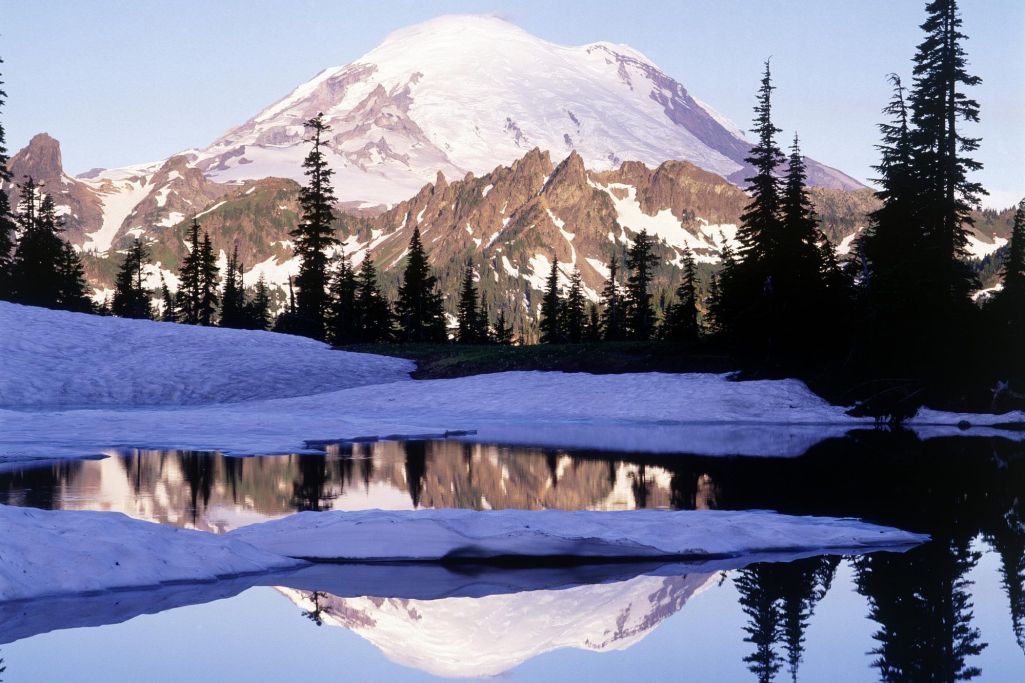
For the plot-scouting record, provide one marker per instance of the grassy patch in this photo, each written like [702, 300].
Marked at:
[436, 361]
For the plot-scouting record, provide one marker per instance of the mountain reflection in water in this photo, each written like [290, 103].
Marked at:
[968, 494]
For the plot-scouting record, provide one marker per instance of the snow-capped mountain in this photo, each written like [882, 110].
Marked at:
[461, 94]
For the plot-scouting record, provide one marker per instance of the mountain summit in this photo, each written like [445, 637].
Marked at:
[464, 94]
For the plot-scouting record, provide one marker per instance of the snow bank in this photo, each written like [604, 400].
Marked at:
[58, 552]
[264, 393]
[56, 359]
[48, 553]
[468, 535]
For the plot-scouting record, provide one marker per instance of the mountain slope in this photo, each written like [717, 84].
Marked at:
[462, 94]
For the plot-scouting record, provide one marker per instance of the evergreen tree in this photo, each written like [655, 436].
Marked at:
[681, 323]
[574, 311]
[258, 309]
[343, 327]
[190, 275]
[799, 265]
[640, 318]
[373, 315]
[131, 298]
[1007, 309]
[208, 276]
[893, 242]
[313, 236]
[71, 295]
[612, 322]
[35, 269]
[483, 329]
[760, 222]
[503, 331]
[592, 332]
[170, 304]
[233, 296]
[1011, 297]
[419, 309]
[941, 161]
[551, 308]
[7, 223]
[468, 330]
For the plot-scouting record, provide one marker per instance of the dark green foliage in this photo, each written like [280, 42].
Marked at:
[574, 310]
[1012, 276]
[551, 308]
[7, 224]
[419, 309]
[169, 314]
[71, 295]
[760, 223]
[313, 236]
[343, 327]
[190, 291]
[503, 331]
[257, 310]
[681, 321]
[131, 298]
[35, 269]
[233, 296]
[468, 330]
[373, 314]
[942, 166]
[208, 277]
[592, 331]
[640, 313]
[483, 327]
[612, 313]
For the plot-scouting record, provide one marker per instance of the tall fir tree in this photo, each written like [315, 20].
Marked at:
[1012, 274]
[799, 262]
[612, 321]
[190, 275]
[468, 328]
[681, 323]
[233, 296]
[893, 244]
[941, 150]
[35, 268]
[1007, 309]
[551, 308]
[314, 235]
[343, 327]
[484, 320]
[72, 291]
[373, 314]
[592, 332]
[131, 298]
[7, 222]
[574, 311]
[420, 311]
[760, 222]
[640, 312]
[208, 282]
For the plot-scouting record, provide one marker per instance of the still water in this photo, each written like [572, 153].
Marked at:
[952, 609]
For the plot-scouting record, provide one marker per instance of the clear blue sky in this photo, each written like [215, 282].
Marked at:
[120, 82]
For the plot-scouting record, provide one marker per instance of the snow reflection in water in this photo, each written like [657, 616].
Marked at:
[945, 611]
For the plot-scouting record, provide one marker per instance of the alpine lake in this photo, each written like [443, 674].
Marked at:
[950, 609]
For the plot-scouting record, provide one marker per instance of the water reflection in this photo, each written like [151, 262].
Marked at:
[966, 493]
